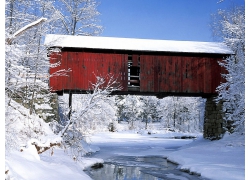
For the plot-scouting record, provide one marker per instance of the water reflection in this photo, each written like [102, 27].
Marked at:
[115, 172]
[139, 168]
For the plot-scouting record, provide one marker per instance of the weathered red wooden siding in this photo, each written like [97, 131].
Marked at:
[54, 82]
[179, 74]
[85, 67]
[158, 73]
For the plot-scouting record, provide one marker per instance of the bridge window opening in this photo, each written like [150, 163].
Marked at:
[133, 74]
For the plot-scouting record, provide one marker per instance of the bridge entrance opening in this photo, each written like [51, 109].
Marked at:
[133, 73]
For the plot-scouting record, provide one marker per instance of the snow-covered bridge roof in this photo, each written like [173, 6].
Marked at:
[114, 43]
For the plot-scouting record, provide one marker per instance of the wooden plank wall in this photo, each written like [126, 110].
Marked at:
[85, 67]
[179, 74]
[158, 73]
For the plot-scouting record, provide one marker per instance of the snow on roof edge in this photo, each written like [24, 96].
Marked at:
[115, 43]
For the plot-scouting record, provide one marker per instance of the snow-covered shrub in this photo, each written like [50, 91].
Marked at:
[92, 112]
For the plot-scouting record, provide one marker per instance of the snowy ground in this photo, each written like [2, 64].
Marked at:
[50, 165]
[222, 159]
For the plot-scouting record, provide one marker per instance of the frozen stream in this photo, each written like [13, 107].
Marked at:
[137, 157]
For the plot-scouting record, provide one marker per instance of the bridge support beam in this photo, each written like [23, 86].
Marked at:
[213, 121]
[70, 104]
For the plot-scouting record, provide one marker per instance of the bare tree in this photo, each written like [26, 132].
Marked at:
[79, 17]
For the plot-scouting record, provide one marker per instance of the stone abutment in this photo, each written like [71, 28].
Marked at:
[213, 120]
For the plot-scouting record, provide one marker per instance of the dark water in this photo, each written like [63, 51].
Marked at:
[139, 168]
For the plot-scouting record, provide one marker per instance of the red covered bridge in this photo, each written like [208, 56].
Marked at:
[141, 66]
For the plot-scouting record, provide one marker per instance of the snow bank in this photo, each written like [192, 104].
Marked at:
[22, 162]
[216, 160]
[25, 166]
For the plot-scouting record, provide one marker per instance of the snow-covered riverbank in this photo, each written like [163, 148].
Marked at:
[216, 160]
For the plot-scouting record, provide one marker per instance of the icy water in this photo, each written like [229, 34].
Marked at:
[139, 168]
[137, 157]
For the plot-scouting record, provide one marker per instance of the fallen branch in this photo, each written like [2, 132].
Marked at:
[41, 149]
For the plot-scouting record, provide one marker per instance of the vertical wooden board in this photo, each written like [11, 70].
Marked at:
[74, 74]
[53, 82]
[110, 70]
[167, 74]
[178, 70]
[156, 69]
[223, 71]
[77, 73]
[115, 65]
[183, 73]
[189, 72]
[105, 60]
[53, 58]
[215, 75]
[111, 65]
[107, 64]
[162, 74]
[142, 73]
[88, 69]
[219, 69]
[70, 80]
[64, 65]
[170, 73]
[84, 70]
[146, 73]
[81, 69]
[115, 68]
[60, 80]
[94, 61]
[207, 77]
[151, 83]
[99, 66]
[118, 69]
[134, 60]
[193, 75]
[63, 80]
[167, 83]
[124, 72]
[91, 74]
[200, 75]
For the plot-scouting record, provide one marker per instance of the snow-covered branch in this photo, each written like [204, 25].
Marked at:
[25, 28]
[61, 72]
